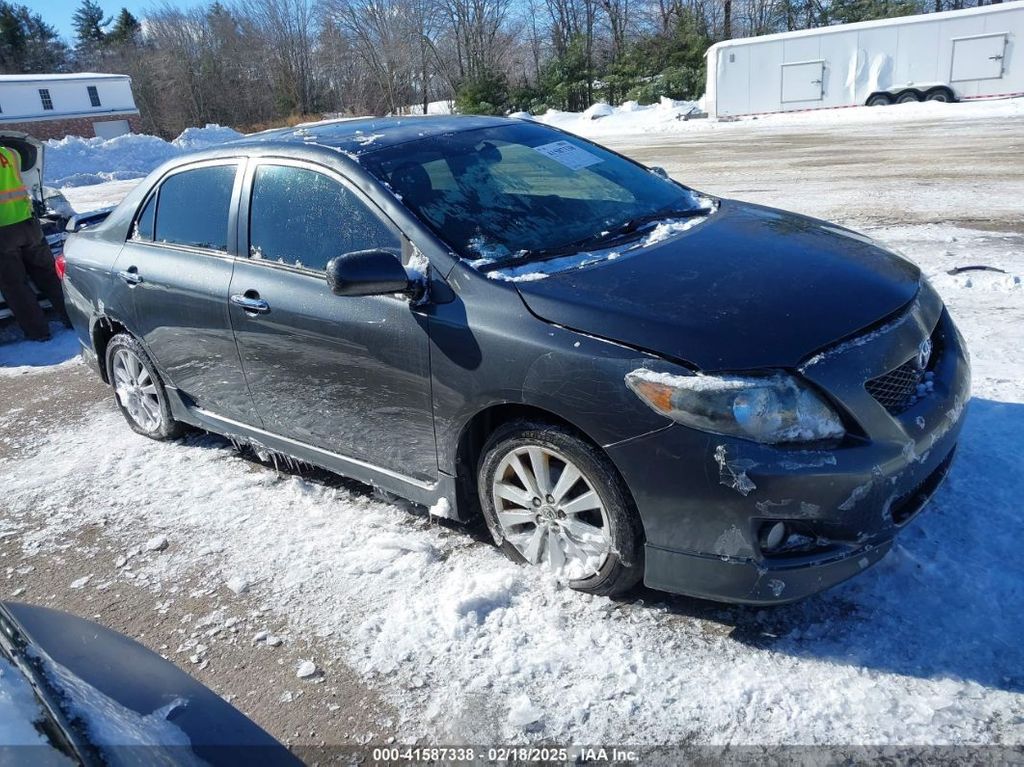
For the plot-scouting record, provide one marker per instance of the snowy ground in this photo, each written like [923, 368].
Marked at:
[458, 645]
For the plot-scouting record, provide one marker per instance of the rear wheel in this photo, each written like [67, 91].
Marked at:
[879, 100]
[944, 95]
[138, 390]
[908, 97]
[553, 500]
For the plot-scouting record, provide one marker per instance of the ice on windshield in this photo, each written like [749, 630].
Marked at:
[20, 713]
[516, 192]
[539, 270]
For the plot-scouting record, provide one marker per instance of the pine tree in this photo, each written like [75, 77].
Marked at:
[126, 29]
[27, 43]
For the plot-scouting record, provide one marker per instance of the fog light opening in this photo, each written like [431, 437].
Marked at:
[773, 535]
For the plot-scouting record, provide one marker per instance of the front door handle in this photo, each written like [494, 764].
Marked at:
[251, 302]
[995, 58]
[130, 275]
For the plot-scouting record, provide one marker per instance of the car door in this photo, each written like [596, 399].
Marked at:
[350, 375]
[177, 263]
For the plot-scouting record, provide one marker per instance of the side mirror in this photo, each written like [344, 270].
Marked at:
[657, 170]
[367, 273]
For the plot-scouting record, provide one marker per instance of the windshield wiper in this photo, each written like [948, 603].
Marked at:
[615, 236]
[631, 225]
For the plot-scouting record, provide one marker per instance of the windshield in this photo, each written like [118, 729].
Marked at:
[517, 190]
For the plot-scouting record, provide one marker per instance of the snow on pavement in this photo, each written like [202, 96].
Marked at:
[923, 648]
[22, 357]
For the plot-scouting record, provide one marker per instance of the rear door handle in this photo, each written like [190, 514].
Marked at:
[251, 302]
[995, 58]
[130, 275]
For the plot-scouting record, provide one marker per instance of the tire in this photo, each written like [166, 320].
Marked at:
[138, 390]
[879, 100]
[941, 94]
[908, 97]
[597, 545]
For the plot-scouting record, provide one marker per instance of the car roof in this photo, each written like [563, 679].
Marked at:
[366, 134]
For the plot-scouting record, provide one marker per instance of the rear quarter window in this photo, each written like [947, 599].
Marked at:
[145, 222]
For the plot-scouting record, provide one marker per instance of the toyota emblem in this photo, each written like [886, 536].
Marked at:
[924, 354]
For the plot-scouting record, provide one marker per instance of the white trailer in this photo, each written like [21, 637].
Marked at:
[949, 56]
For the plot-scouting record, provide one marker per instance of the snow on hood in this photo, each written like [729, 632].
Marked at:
[77, 161]
[110, 726]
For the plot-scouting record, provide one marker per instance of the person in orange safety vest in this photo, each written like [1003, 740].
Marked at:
[24, 254]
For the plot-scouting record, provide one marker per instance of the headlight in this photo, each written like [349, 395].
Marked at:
[772, 409]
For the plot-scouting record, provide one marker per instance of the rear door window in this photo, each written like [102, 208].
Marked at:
[193, 208]
[300, 217]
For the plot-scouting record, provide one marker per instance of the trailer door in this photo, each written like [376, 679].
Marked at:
[979, 57]
[803, 81]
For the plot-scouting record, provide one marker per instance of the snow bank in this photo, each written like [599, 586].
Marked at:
[433, 108]
[76, 161]
[601, 119]
[667, 117]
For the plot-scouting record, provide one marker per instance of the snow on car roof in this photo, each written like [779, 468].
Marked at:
[364, 134]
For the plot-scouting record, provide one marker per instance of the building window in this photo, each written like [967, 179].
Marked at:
[44, 96]
[94, 96]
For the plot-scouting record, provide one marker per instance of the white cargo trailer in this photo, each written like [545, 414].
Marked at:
[954, 55]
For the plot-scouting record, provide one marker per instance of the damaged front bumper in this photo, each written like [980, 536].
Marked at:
[706, 500]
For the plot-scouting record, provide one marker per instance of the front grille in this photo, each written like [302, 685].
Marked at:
[897, 389]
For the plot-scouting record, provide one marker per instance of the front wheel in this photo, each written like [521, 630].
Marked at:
[553, 500]
[138, 390]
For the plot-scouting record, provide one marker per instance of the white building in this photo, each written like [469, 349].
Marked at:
[955, 55]
[82, 104]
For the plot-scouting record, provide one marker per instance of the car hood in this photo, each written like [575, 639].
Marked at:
[111, 691]
[751, 287]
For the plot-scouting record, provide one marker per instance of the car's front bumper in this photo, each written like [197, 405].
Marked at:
[704, 499]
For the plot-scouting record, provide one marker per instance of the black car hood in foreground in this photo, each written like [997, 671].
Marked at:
[117, 672]
[751, 287]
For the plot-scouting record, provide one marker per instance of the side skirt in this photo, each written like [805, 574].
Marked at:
[439, 496]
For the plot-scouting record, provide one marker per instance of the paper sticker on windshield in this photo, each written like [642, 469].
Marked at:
[569, 155]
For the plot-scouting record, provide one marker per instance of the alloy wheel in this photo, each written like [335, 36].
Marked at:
[550, 512]
[136, 390]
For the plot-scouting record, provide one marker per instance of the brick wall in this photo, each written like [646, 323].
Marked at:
[69, 126]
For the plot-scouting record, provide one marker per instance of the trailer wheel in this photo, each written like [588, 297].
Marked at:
[908, 97]
[941, 93]
[879, 100]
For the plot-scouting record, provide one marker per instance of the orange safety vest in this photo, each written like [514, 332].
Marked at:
[15, 205]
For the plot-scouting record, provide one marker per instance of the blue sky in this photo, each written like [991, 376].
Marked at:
[58, 12]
